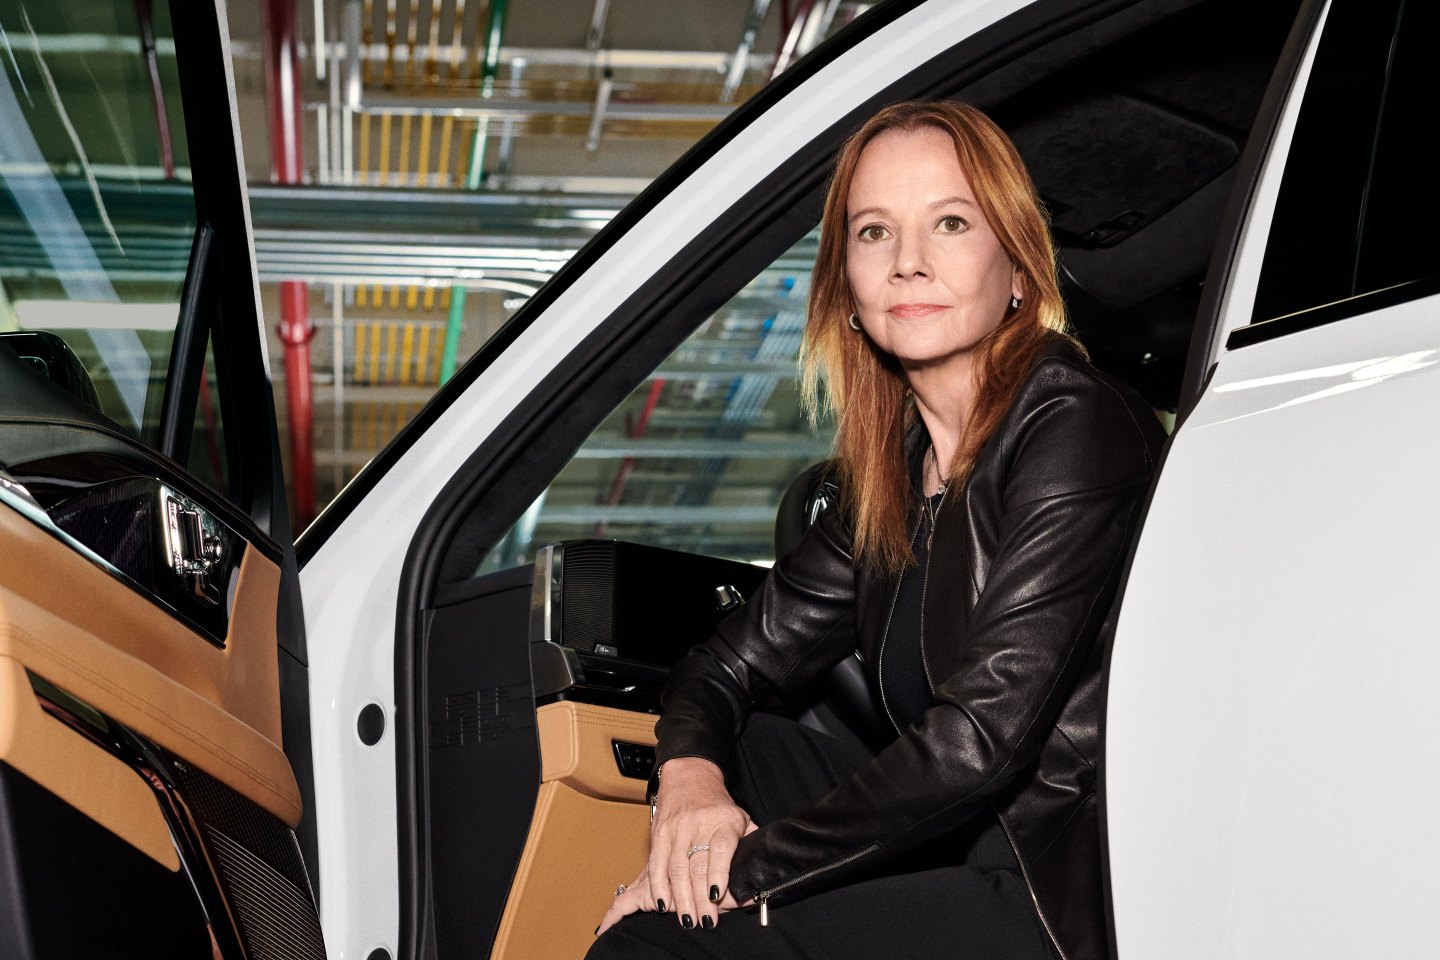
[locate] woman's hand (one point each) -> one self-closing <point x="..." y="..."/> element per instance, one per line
<point x="634" y="897"/>
<point x="692" y="809"/>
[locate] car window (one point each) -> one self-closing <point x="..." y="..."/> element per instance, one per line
<point x="697" y="457"/>
<point x="97" y="208"/>
<point x="1396" y="245"/>
<point x="1344" y="223"/>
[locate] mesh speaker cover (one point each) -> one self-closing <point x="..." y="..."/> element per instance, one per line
<point x="260" y="869"/>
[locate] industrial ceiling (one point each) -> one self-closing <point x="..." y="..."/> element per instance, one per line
<point x="418" y="168"/>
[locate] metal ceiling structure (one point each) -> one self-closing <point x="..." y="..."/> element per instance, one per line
<point x="422" y="222"/>
<point x="424" y="167"/>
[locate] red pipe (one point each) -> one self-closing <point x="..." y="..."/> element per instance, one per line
<point x="282" y="87"/>
<point x="622" y="476"/>
<point x="295" y="333"/>
<point x="157" y="92"/>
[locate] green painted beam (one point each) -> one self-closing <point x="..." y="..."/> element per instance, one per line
<point x="455" y="323"/>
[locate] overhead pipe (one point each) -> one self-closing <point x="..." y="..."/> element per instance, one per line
<point x="493" y="30"/>
<point x="741" y="60"/>
<point x="596" y="35"/>
<point x="145" y="16"/>
<point x="282" y="98"/>
<point x="455" y="322"/>
<point x="791" y="27"/>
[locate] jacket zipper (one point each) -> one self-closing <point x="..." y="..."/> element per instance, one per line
<point x="880" y="657"/>
<point x="1030" y="887"/>
<point x="763" y="897"/>
<point x="925" y="590"/>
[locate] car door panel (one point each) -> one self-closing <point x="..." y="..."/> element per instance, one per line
<point x="86" y="891"/>
<point x="116" y="650"/>
<point x="76" y="771"/>
<point x="590" y="821"/>
<point x="538" y="790"/>
<point x="242" y="871"/>
<point x="147" y="807"/>
<point x="1274" y="660"/>
<point x="1266" y="693"/>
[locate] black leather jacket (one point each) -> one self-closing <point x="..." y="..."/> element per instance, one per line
<point x="1030" y="552"/>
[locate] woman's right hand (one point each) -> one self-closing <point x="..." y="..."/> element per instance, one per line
<point x="692" y="808"/>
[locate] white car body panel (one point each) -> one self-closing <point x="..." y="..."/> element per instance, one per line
<point x="1270" y="698"/>
<point x="350" y="603"/>
<point x="1268" y="702"/>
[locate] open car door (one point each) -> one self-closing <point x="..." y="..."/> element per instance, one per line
<point x="1272" y="677"/>
<point x="147" y="807"/>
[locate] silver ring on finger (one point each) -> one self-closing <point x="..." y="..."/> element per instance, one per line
<point x="696" y="849"/>
<point x="620" y="889"/>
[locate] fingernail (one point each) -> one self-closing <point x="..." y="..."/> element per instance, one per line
<point x="660" y="905"/>
<point x="597" y="929"/>
<point x="686" y="922"/>
<point x="706" y="922"/>
<point x="714" y="893"/>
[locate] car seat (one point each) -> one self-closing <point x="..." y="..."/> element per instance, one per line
<point x="843" y="704"/>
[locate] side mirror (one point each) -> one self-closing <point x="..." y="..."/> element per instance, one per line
<point x="51" y="357"/>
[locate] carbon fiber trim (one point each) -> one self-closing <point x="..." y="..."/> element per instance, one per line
<point x="257" y="861"/>
<point x="277" y="919"/>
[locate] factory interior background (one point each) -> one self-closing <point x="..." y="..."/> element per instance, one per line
<point x="439" y="162"/>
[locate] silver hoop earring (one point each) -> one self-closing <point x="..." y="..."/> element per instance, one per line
<point x="854" y="322"/>
<point x="1015" y="303"/>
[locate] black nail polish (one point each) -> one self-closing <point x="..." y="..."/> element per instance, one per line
<point x="686" y="922"/>
<point x="597" y="929"/>
<point x="714" y="893"/>
<point x="706" y="922"/>
<point x="660" y="905"/>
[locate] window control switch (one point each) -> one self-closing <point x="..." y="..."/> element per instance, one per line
<point x="635" y="760"/>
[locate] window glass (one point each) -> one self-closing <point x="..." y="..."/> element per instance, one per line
<point x="97" y="214"/>
<point x="1345" y="220"/>
<point x="700" y="453"/>
<point x="207" y="459"/>
<point x="1398" y="244"/>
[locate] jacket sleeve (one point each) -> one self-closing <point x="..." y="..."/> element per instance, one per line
<point x="800" y="623"/>
<point x="1078" y="463"/>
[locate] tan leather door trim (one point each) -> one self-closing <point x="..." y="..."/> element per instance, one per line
<point x="575" y="747"/>
<point x="77" y="771"/>
<point x="579" y="849"/>
<point x="591" y="830"/>
<point x="99" y="640"/>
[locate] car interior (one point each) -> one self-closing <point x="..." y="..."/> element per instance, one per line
<point x="1134" y="124"/>
<point x="542" y="616"/>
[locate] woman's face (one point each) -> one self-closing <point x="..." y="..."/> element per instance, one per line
<point x="928" y="275"/>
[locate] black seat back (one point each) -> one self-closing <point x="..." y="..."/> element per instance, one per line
<point x="844" y="704"/>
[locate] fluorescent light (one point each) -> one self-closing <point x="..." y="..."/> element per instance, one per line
<point x="83" y="315"/>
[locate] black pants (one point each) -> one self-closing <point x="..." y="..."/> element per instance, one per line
<point x="962" y="897"/>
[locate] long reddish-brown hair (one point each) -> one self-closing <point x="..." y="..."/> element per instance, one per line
<point x="865" y="387"/>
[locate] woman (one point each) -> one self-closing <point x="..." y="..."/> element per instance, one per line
<point x="990" y="481"/>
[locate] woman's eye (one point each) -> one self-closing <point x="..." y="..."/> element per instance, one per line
<point x="873" y="232"/>
<point x="951" y="225"/>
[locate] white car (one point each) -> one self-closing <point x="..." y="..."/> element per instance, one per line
<point x="457" y="729"/>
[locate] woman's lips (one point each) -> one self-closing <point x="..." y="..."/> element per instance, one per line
<point x="909" y="311"/>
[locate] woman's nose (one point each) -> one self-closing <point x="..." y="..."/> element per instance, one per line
<point x="912" y="257"/>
